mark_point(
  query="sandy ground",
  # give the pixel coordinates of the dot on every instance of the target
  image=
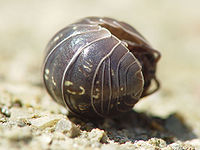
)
(30, 119)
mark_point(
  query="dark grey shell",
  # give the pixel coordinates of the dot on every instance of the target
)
(91, 71)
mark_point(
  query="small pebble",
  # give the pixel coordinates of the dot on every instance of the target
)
(157, 142)
(23, 122)
(17, 103)
(97, 135)
(45, 121)
(66, 126)
(5, 111)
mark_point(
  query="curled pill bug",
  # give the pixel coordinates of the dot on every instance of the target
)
(99, 67)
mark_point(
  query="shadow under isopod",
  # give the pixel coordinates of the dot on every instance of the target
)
(132, 126)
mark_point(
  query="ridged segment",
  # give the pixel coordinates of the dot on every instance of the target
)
(82, 67)
(61, 56)
(109, 78)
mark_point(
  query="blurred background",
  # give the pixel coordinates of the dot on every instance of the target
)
(172, 27)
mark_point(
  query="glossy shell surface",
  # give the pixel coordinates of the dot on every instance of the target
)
(89, 69)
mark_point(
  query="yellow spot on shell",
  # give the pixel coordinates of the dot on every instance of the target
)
(46, 77)
(68, 83)
(82, 91)
(112, 72)
(53, 81)
(46, 71)
(46, 74)
(88, 63)
(71, 92)
(74, 28)
(88, 68)
(96, 96)
(56, 38)
(83, 107)
(121, 88)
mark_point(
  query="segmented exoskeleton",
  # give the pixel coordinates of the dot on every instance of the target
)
(99, 67)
